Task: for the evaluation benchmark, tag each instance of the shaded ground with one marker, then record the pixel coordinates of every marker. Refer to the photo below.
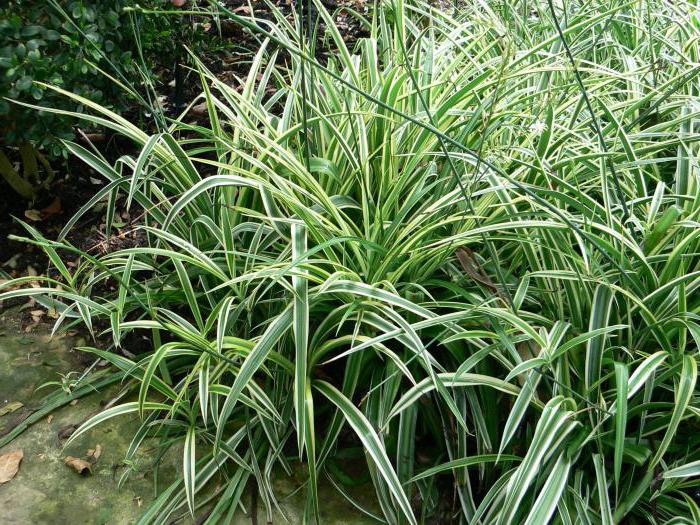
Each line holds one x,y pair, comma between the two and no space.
46,491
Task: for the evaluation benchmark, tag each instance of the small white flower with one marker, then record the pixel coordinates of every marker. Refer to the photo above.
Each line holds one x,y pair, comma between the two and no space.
538,126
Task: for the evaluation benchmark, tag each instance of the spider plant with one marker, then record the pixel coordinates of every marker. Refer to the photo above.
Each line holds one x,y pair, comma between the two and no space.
468,244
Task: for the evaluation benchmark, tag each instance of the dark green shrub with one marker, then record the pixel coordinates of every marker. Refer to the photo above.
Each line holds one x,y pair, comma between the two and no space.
42,42
68,44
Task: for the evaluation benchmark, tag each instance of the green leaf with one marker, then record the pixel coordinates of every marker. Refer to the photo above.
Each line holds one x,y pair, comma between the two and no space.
252,363
683,393
372,444
688,470
546,503
621,383
465,462
301,334
28,31
24,83
119,410
602,484
188,467
600,315
553,426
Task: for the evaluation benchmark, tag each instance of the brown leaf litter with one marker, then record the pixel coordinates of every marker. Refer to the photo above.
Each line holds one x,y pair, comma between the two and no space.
9,464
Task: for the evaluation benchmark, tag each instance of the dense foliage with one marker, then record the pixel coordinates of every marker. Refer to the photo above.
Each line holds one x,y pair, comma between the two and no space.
472,238
82,47
37,43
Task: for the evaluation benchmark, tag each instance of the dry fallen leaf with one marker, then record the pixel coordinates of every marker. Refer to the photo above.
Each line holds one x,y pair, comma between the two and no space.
37,315
81,466
95,453
12,261
10,407
32,215
199,110
9,464
73,402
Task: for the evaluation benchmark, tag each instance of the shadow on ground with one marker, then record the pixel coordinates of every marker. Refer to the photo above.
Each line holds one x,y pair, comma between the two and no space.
46,491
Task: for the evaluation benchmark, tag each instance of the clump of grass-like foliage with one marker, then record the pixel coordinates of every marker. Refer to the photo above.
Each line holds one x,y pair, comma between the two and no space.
473,235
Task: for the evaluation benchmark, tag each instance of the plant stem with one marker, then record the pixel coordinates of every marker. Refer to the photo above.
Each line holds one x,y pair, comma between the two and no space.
14,179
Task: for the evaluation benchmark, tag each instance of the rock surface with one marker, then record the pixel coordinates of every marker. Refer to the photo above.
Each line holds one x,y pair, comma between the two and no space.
78,484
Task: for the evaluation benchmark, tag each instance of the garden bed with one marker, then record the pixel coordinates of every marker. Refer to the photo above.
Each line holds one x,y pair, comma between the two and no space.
443,266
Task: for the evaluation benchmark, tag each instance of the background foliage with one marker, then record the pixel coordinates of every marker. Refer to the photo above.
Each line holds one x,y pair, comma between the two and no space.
37,43
108,52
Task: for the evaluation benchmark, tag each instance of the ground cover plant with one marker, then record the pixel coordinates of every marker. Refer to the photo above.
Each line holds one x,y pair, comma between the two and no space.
466,247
